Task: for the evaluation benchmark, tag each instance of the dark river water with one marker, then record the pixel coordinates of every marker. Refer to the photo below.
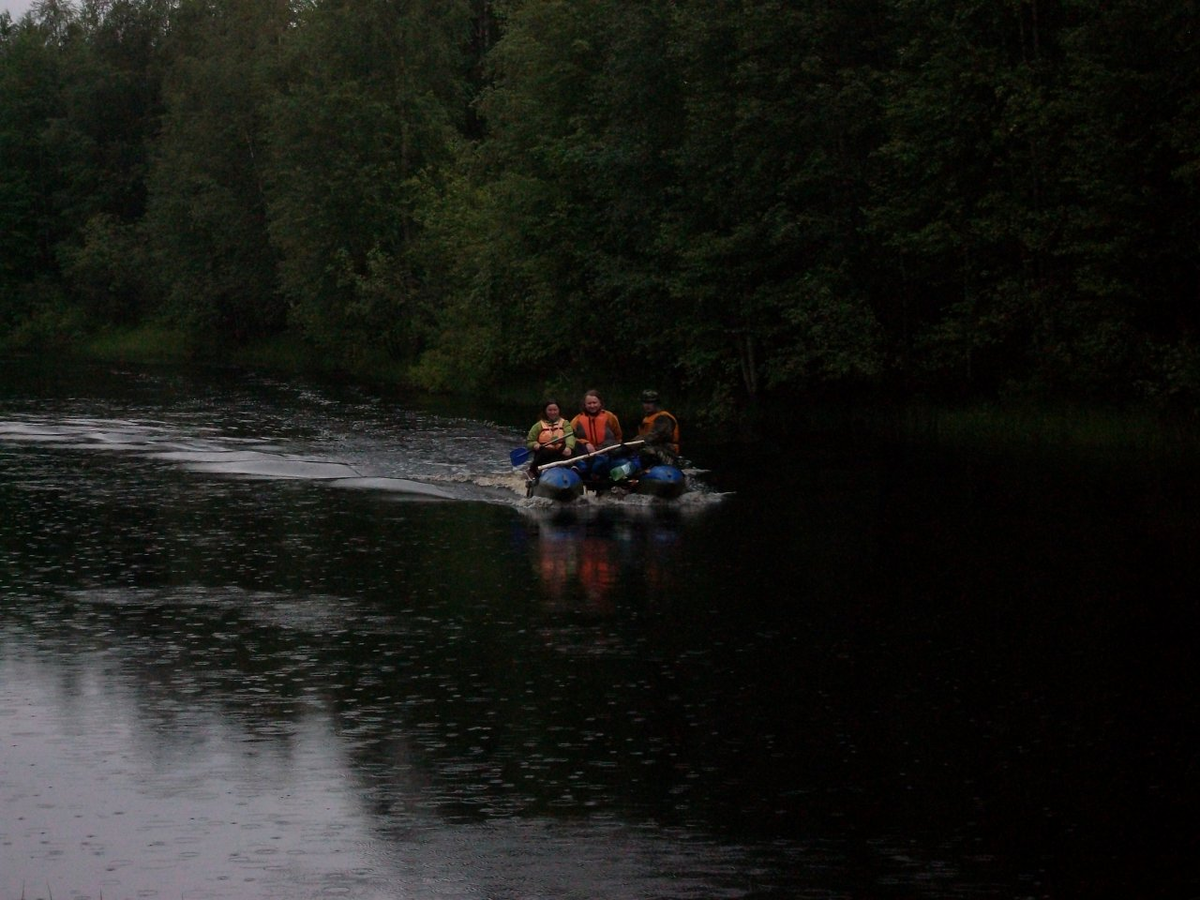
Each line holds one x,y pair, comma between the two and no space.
269,639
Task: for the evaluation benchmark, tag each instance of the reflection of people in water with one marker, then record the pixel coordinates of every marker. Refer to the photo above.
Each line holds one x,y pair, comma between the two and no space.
597,571
557,561
577,570
576,565
658,571
580,561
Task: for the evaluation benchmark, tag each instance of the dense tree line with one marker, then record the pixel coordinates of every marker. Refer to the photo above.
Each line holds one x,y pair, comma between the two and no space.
966,197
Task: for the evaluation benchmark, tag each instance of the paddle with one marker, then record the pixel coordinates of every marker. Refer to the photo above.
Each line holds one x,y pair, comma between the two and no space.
518,456
575,459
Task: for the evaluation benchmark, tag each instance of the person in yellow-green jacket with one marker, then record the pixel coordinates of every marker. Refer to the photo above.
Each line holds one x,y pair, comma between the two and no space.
551,438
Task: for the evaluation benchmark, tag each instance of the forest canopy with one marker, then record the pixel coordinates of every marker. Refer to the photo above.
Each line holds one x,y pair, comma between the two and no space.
966,199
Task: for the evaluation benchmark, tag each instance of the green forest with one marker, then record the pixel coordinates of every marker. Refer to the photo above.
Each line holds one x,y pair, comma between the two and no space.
734,200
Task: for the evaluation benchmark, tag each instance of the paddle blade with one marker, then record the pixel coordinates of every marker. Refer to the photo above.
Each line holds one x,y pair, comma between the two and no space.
519,456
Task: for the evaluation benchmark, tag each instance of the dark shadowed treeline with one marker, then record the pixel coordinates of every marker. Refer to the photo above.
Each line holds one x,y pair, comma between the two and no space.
958,197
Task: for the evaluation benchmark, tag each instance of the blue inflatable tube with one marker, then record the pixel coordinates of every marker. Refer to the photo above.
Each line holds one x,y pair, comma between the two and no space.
559,483
662,481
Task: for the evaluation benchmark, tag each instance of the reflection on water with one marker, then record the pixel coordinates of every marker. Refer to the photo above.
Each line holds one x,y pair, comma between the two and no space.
163,799
875,676
114,790
579,551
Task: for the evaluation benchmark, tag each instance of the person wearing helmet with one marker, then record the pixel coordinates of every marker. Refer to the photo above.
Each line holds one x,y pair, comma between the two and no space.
551,437
660,430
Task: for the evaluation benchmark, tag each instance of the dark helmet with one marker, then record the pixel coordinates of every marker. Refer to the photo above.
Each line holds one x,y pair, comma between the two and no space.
649,396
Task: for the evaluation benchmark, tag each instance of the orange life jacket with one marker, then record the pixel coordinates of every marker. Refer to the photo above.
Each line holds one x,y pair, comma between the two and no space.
551,432
596,429
648,425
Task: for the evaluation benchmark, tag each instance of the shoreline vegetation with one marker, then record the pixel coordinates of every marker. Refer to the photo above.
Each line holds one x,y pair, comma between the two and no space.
770,208
1018,425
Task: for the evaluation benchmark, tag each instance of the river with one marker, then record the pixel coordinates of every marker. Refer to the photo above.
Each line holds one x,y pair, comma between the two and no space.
267,638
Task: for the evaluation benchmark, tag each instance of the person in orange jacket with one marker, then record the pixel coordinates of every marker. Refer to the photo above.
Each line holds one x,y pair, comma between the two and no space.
596,427
660,430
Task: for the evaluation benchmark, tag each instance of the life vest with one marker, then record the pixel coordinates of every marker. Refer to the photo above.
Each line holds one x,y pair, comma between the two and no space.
598,428
551,431
648,425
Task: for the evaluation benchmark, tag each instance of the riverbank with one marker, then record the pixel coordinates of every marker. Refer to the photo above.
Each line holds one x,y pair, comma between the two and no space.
1025,425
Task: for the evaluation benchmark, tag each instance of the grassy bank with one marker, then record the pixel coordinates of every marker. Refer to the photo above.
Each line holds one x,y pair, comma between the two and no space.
1050,425
1024,426
146,344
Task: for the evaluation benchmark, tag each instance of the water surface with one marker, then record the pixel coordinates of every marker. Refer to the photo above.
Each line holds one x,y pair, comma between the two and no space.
260,639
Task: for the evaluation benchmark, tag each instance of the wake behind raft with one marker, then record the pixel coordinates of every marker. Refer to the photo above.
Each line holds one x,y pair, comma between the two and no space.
611,468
